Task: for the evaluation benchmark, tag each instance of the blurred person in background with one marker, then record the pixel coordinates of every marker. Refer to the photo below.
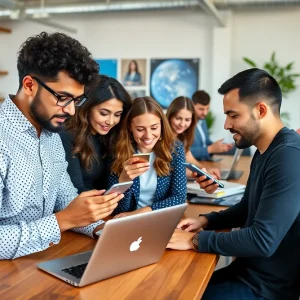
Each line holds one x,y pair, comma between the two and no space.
203,148
183,121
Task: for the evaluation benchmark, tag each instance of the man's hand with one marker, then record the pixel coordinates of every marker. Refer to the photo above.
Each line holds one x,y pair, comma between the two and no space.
219,147
181,240
215,173
206,184
87,208
193,224
133,167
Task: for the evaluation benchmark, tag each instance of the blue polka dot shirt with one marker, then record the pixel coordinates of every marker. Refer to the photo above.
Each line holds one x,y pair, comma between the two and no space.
34,184
171,189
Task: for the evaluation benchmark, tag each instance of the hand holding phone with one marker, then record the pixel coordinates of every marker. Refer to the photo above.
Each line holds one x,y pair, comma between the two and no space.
143,157
200,172
119,188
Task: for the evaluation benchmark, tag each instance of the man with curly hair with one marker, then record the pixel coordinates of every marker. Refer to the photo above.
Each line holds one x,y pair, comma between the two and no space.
38,200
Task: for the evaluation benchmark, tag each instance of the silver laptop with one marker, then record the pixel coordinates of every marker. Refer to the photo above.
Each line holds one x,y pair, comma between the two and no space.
232,173
125,244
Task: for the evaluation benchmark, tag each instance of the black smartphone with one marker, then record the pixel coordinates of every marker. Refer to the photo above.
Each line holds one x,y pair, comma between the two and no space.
195,169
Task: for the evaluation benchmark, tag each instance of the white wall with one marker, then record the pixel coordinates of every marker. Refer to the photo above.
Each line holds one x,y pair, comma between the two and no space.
182,34
257,34
160,34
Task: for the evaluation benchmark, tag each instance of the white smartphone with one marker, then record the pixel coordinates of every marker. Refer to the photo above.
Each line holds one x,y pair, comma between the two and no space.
143,157
119,188
202,173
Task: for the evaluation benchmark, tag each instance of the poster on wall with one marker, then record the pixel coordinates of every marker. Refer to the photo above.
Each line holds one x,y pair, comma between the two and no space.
133,72
171,78
108,67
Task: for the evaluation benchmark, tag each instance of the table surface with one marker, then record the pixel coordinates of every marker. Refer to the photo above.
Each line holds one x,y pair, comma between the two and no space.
178,275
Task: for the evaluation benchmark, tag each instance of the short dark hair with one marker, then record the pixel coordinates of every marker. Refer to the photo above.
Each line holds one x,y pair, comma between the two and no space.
201,97
47,54
254,84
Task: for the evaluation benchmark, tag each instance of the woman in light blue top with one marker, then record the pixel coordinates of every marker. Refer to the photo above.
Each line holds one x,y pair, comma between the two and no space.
159,183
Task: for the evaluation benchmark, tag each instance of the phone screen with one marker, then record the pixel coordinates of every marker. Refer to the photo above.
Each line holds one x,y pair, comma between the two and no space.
119,188
143,157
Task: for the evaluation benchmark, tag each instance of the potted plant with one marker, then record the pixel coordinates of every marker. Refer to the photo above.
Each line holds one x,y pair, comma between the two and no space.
210,119
283,74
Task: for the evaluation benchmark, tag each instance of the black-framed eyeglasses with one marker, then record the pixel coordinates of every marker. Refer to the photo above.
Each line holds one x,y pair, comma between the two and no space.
62,100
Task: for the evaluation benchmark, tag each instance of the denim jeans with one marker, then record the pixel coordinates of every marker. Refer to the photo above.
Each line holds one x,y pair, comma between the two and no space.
224,285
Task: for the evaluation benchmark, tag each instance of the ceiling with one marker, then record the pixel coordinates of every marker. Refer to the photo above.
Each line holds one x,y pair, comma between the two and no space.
219,3
42,10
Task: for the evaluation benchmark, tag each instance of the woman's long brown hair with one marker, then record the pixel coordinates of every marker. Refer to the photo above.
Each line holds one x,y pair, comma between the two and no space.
126,145
186,137
104,88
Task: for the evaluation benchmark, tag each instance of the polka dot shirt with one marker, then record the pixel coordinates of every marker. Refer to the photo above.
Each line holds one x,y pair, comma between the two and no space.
170,191
34,184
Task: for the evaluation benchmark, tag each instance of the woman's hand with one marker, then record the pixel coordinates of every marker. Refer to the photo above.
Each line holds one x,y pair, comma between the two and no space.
133,167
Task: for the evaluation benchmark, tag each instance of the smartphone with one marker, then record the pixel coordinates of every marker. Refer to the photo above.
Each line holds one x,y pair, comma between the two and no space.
119,188
193,168
144,157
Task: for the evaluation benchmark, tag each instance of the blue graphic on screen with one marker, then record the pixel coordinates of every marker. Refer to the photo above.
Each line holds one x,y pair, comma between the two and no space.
172,78
108,67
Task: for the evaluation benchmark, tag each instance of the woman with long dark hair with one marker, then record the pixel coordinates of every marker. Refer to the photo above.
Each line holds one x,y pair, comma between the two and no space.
90,135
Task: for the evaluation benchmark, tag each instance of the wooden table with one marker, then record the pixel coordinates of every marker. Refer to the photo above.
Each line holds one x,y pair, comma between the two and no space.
178,275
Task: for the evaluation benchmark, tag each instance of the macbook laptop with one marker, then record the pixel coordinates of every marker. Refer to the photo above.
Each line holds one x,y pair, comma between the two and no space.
232,173
125,244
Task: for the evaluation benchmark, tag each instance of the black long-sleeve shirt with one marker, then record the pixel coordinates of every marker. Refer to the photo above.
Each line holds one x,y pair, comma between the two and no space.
267,246
85,180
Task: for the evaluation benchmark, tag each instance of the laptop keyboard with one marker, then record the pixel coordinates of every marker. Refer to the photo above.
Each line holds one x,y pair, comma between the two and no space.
76,271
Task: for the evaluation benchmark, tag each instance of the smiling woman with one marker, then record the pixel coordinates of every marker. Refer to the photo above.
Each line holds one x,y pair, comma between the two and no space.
182,118
159,183
89,136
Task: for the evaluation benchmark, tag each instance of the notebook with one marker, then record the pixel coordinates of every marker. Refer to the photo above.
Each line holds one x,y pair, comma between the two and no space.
223,201
230,188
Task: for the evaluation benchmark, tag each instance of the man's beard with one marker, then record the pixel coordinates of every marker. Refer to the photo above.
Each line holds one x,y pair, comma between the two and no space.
38,112
250,133
244,142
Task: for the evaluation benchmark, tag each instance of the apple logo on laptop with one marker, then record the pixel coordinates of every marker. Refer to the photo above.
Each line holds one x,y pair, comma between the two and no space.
135,245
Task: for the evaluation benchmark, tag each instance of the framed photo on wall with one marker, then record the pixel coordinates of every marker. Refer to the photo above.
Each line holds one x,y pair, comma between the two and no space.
173,77
133,72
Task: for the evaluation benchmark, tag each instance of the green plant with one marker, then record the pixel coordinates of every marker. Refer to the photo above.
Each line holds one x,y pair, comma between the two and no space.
210,119
282,74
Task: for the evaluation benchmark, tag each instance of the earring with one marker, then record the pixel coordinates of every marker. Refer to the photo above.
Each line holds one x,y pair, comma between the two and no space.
159,138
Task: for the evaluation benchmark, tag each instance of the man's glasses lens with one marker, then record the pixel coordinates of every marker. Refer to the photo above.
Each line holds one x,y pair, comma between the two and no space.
62,100
65,101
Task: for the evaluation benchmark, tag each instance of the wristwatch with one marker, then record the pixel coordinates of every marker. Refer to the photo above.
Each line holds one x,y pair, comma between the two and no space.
195,241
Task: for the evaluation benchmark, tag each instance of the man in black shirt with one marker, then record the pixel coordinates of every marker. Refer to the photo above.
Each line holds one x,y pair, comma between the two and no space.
267,247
